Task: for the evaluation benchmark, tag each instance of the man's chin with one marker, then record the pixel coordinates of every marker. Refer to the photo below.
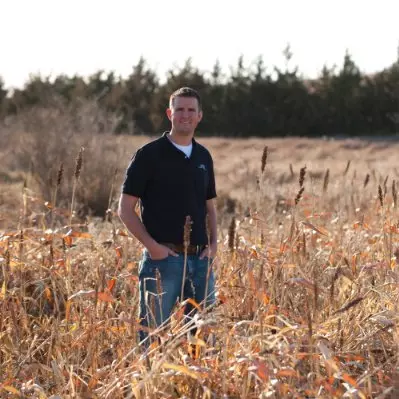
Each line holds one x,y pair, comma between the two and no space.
185,131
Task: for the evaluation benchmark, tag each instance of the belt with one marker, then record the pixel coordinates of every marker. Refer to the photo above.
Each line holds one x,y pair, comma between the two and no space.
179,248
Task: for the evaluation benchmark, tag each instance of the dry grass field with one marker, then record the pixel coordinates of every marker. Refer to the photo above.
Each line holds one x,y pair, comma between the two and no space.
307,274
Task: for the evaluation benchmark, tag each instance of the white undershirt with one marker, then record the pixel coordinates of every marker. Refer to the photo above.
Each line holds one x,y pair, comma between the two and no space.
187,149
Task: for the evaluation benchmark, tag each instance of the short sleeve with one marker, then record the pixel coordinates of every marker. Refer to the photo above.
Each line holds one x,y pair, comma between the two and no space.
137,175
211,193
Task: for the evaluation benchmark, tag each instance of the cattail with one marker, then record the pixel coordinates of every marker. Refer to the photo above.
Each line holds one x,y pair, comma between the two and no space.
264,158
232,232
78,163
302,174
299,195
78,168
59,180
380,195
351,304
326,179
366,180
394,193
187,231
347,167
60,174
291,170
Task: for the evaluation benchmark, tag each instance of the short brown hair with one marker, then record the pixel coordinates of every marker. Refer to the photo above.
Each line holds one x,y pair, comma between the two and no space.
186,92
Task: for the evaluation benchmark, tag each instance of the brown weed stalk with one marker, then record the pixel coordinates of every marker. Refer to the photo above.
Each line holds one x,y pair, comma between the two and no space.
186,235
78,168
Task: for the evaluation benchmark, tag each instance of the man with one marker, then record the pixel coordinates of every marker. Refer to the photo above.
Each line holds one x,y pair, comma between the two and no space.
173,178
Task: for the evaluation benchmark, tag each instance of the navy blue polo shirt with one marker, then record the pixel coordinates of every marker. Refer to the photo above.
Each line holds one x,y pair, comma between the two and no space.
171,186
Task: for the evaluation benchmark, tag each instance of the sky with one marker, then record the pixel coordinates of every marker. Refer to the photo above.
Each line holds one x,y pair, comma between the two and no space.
83,36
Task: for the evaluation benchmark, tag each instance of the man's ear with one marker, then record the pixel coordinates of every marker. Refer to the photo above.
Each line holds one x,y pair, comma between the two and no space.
169,113
200,116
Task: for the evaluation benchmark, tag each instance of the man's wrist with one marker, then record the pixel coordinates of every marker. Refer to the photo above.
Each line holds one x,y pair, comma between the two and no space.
151,245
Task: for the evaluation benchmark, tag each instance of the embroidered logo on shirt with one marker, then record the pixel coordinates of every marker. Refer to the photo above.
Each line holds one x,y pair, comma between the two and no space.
202,166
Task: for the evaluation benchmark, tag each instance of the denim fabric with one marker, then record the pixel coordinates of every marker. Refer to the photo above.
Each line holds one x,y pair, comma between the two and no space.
156,309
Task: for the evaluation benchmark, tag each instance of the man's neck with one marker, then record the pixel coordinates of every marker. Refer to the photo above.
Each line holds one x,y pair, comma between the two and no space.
180,140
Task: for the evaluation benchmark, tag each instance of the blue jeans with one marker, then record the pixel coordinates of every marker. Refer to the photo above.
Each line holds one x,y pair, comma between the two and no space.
156,304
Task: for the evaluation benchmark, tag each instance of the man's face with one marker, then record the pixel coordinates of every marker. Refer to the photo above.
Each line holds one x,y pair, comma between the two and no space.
184,115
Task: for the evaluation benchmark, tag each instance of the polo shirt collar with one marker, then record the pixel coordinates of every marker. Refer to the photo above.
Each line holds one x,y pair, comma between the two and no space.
170,145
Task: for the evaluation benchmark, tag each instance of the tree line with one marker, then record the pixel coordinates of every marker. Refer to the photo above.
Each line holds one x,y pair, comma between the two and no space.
252,100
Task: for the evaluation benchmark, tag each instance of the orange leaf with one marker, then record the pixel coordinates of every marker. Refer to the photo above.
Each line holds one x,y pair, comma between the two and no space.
266,299
221,297
111,284
122,233
254,253
77,234
105,297
194,303
262,371
81,235
92,383
67,310
47,292
68,241
130,266
118,251
287,373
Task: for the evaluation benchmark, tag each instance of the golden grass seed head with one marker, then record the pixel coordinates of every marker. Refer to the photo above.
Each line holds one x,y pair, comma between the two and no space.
394,193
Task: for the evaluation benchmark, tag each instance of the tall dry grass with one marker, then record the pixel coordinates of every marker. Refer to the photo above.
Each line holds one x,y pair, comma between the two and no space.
307,287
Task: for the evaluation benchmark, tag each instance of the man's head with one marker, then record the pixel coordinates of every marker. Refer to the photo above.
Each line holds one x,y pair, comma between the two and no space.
184,111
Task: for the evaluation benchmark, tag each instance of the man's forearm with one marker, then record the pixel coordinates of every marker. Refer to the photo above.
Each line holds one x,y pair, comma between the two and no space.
212,227
136,228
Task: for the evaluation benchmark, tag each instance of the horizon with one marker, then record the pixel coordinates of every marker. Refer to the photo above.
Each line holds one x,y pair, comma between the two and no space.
85,38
